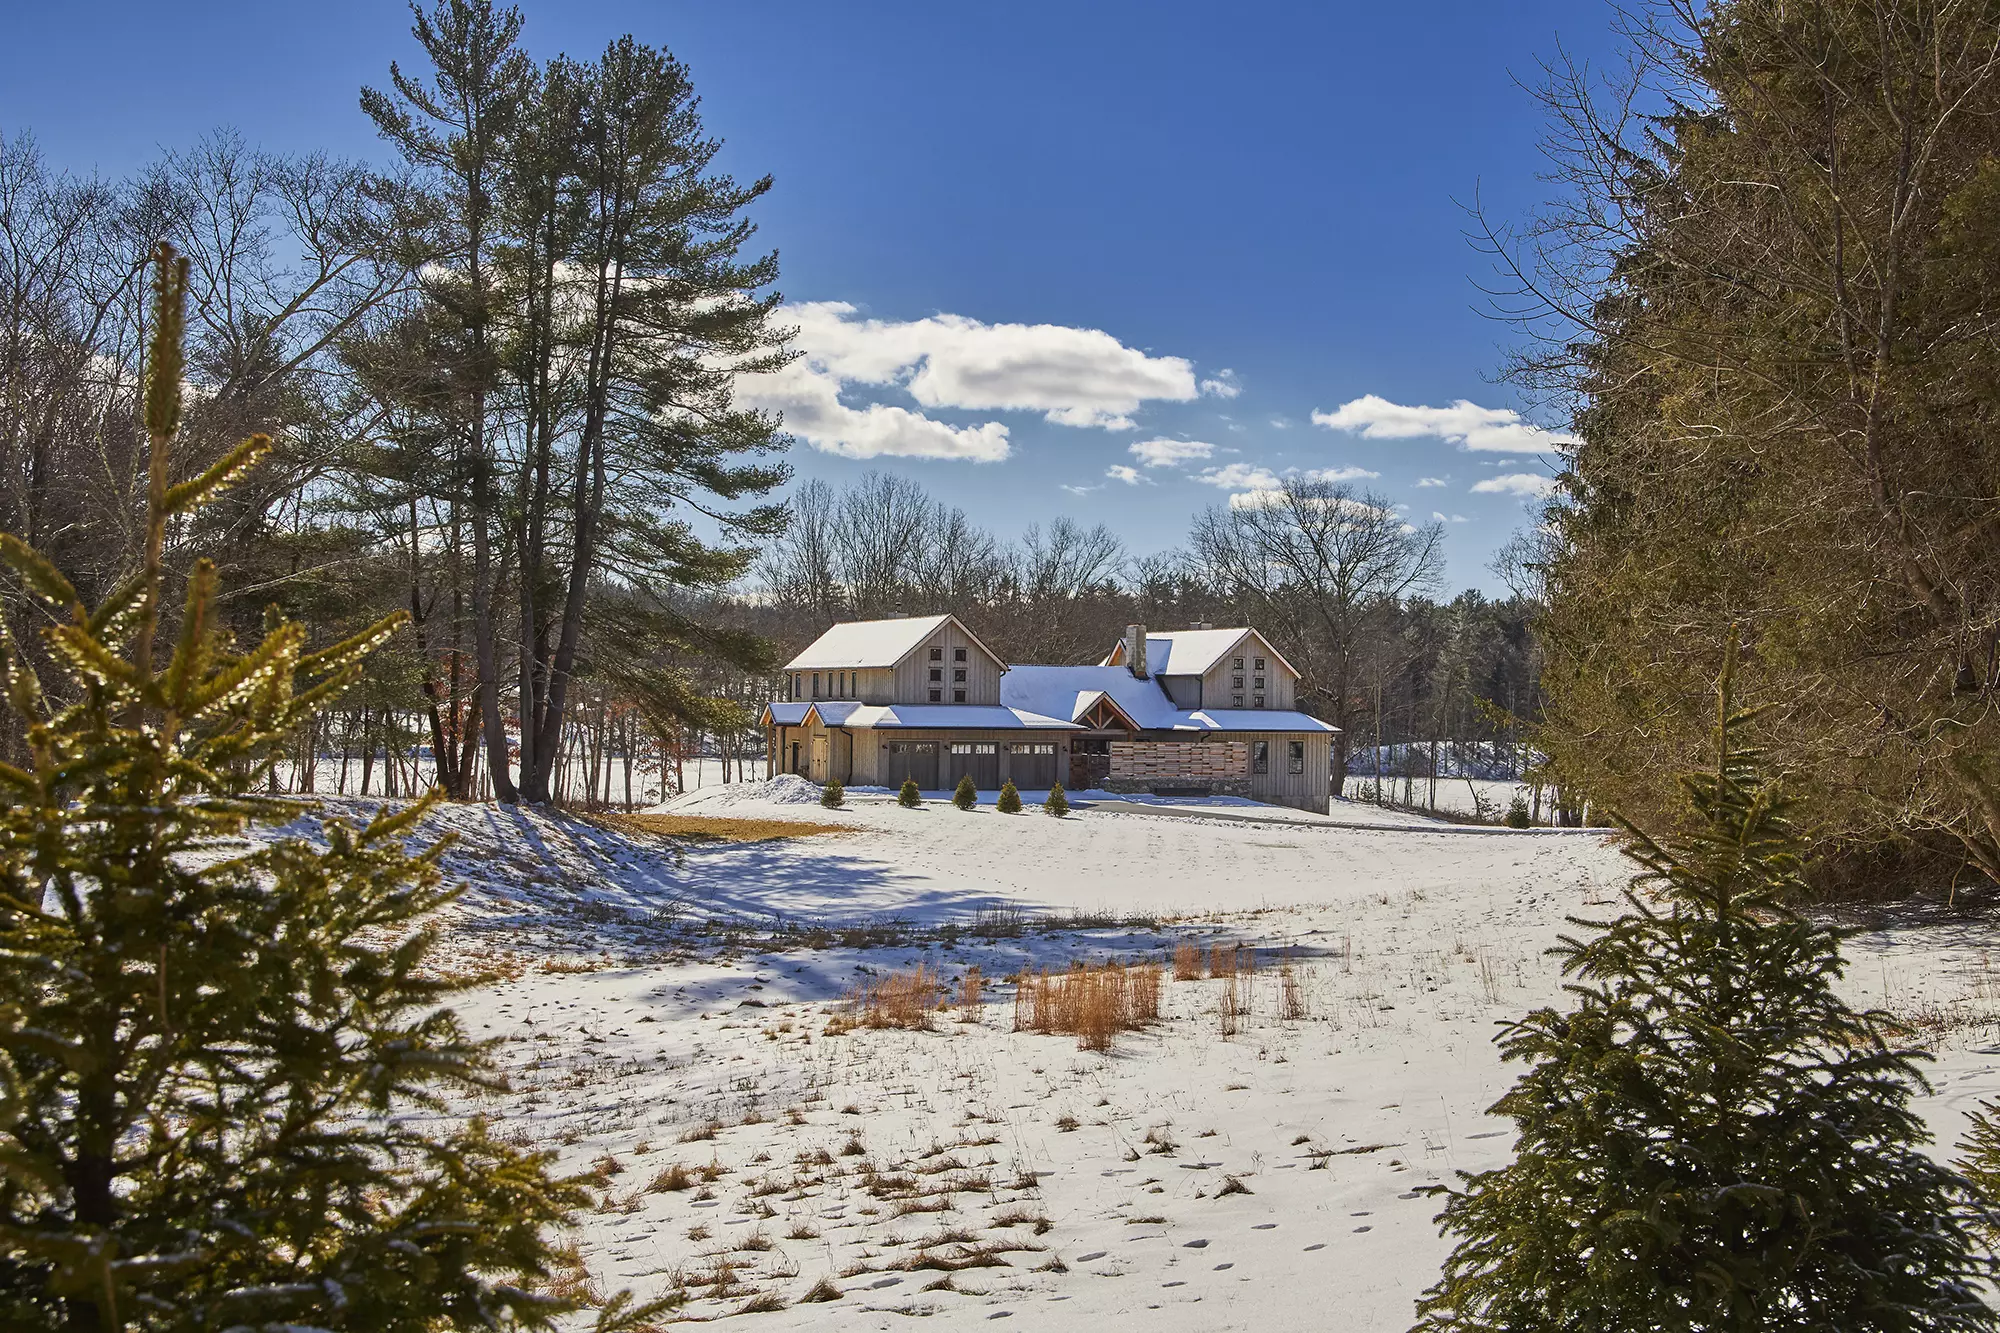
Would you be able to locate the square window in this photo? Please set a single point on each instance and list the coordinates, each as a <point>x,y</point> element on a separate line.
<point>1260,682</point>
<point>958,675</point>
<point>1295,757</point>
<point>958,696</point>
<point>1259,702</point>
<point>1236,682</point>
<point>937,696</point>
<point>937,673</point>
<point>1235,701</point>
<point>1238,664</point>
<point>1260,664</point>
<point>958,654</point>
<point>937,654</point>
<point>1260,757</point>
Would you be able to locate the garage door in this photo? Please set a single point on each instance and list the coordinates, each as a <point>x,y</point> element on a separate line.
<point>911,759</point>
<point>1032,764</point>
<point>979,758</point>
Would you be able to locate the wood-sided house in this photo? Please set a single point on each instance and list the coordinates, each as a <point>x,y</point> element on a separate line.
<point>1186,712</point>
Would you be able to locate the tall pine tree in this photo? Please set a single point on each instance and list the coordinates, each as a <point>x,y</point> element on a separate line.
<point>206,1044</point>
<point>1711,1139</point>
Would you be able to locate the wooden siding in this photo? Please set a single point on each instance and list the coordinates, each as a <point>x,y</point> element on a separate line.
<point>1185,691</point>
<point>867,752</point>
<point>982,671</point>
<point>1219,687</point>
<point>1310,790</point>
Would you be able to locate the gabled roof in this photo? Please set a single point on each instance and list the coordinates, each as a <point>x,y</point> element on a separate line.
<point>943,717</point>
<point>1071,692</point>
<point>1192,652</point>
<point>858,644</point>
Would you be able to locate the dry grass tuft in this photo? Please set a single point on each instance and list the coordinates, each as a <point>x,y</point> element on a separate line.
<point>822,1290</point>
<point>897,1000</point>
<point>1291,996</point>
<point>1229,1018</point>
<point>1188,962</point>
<point>671,1181</point>
<point>969,987</point>
<point>1093,1004</point>
<point>1222,961</point>
<point>715,828</point>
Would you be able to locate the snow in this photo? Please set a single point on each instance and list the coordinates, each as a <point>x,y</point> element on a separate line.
<point>668,1004</point>
<point>883,717</point>
<point>867,643</point>
<point>1071,691</point>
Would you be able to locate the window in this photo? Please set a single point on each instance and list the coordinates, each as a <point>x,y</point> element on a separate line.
<point>958,654</point>
<point>975,747</point>
<point>958,675</point>
<point>1259,702</point>
<point>937,696</point>
<point>1236,681</point>
<point>1235,701</point>
<point>1295,756</point>
<point>937,674</point>
<point>958,696</point>
<point>1260,756</point>
<point>1238,664</point>
<point>1031,747</point>
<point>841,692</point>
<point>937,654</point>
<point>1260,664</point>
<point>815,684</point>
<point>1260,682</point>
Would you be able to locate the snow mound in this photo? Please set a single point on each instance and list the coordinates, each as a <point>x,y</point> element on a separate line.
<point>785,789</point>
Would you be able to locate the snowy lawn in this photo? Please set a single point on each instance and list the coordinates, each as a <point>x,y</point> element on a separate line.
<point>667,1012</point>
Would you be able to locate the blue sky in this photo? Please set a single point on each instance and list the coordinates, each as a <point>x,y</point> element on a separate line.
<point>1034,234</point>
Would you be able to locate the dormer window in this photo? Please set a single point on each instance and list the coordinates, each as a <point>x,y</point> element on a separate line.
<point>958,654</point>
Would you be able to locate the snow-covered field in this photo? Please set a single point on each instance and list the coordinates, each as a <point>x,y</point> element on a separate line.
<point>664,1014</point>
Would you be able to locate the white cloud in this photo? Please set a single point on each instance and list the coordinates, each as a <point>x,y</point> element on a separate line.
<point>1465,424</point>
<point>1241,476</point>
<point>1448,518</point>
<point>1083,490</point>
<point>1528,485</point>
<point>1253,485</point>
<point>1423,483</point>
<point>1169,453</point>
<point>1072,376</point>
<point>1224,385</point>
<point>1131,476</point>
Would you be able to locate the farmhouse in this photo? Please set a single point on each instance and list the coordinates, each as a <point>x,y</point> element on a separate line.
<point>1200,711</point>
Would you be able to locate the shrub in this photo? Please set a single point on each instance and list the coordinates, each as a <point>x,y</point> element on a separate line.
<point>1057,803</point>
<point>210,1045</point>
<point>966,796</point>
<point>834,796</point>
<point>1517,813</point>
<point>909,797</point>
<point>1710,1138</point>
<point>1010,799</point>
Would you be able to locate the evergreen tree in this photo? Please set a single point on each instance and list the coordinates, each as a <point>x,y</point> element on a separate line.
<point>1010,799</point>
<point>909,797</point>
<point>1711,1139</point>
<point>835,795</point>
<point>204,1047</point>
<point>965,796</point>
<point>1057,803</point>
<point>1518,814</point>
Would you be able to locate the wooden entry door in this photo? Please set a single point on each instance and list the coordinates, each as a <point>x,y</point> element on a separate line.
<point>911,759</point>
<point>979,758</point>
<point>1032,764</point>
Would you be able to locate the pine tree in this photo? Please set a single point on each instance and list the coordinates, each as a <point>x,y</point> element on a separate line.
<point>909,797</point>
<point>205,1045</point>
<point>966,795</point>
<point>1010,799</point>
<point>834,796</point>
<point>1710,1139</point>
<point>1518,814</point>
<point>1057,803</point>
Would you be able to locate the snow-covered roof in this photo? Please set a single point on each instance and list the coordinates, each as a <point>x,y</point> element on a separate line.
<point>867,643</point>
<point>784,714</point>
<point>1191,652</point>
<point>1071,691</point>
<point>942,717</point>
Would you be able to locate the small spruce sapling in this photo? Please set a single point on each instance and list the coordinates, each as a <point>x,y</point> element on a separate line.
<point>1009,802</point>
<point>222,1059</point>
<point>909,797</point>
<point>833,796</point>
<point>966,795</point>
<point>1710,1138</point>
<point>1057,803</point>
<point>1517,813</point>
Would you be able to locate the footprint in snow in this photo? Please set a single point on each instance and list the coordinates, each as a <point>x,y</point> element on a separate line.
<point>1311,1248</point>
<point>1084,1259</point>
<point>1264,1226</point>
<point>1195,1245</point>
<point>1223,1268</point>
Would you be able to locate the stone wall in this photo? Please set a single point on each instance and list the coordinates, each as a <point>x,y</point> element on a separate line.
<point>1146,766</point>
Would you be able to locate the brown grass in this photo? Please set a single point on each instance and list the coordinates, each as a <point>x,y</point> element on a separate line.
<point>969,987</point>
<point>671,1181</point>
<point>717,828</point>
<point>1291,997</point>
<point>1187,962</point>
<point>897,1000</point>
<point>1093,1004</point>
<point>1229,1009</point>
<point>1222,961</point>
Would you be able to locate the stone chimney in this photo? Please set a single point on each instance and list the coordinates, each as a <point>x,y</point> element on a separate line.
<point>1135,650</point>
